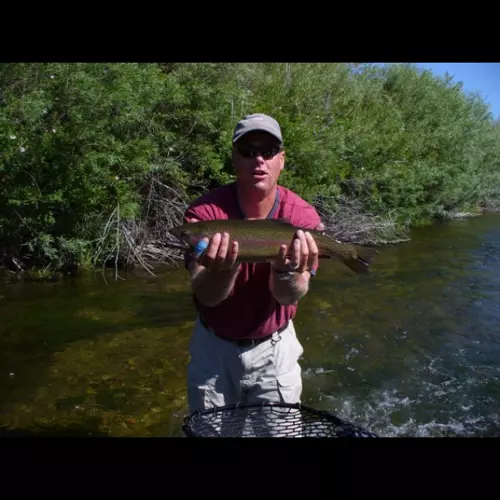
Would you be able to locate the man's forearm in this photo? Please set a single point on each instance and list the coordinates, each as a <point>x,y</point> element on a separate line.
<point>211,288</point>
<point>289,291</point>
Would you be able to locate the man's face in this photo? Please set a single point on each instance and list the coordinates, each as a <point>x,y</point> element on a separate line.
<point>258,161</point>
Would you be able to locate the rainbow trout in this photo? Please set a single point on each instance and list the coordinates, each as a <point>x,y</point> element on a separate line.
<point>259,240</point>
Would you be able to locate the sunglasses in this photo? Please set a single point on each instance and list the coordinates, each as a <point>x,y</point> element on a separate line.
<point>250,152</point>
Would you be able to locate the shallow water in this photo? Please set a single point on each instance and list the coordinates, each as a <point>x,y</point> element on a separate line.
<point>411,350</point>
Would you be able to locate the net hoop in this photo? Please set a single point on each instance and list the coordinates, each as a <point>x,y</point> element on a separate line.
<point>269,420</point>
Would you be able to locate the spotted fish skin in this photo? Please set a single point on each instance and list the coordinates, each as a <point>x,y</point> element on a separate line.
<point>259,240</point>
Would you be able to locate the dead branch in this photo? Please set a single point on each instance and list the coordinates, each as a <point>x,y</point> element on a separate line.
<point>452,215</point>
<point>141,241</point>
<point>490,205</point>
<point>117,240</point>
<point>346,220</point>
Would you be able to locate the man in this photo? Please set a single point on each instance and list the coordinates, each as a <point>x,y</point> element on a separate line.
<point>244,347</point>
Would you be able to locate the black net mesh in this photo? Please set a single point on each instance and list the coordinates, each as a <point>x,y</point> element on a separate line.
<point>269,420</point>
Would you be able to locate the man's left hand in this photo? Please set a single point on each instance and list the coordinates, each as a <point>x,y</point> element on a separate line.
<point>304,254</point>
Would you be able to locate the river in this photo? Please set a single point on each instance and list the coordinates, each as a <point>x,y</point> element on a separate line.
<point>411,350</point>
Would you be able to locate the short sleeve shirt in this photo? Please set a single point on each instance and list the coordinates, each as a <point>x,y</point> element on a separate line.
<point>250,311</point>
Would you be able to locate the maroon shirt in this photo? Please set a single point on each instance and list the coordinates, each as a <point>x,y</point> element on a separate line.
<point>250,311</point>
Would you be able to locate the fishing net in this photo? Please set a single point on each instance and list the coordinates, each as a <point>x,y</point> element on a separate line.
<point>269,420</point>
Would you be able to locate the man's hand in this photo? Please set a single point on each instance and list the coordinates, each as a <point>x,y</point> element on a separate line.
<point>304,254</point>
<point>220,254</point>
<point>214,274</point>
<point>304,257</point>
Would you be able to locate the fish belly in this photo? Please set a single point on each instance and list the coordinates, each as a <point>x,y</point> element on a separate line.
<point>258,250</point>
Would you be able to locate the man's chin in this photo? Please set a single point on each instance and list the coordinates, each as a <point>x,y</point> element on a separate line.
<point>264,182</point>
<point>263,187</point>
<point>258,186</point>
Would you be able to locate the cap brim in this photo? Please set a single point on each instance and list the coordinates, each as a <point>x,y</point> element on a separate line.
<point>238,136</point>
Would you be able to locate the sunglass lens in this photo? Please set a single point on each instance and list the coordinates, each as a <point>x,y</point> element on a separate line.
<point>248,152</point>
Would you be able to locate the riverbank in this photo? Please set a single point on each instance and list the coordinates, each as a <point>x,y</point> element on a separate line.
<point>99,159</point>
<point>412,350</point>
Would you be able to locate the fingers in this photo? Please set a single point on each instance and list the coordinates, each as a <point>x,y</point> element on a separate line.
<point>303,251</point>
<point>281,262</point>
<point>304,255</point>
<point>282,253</point>
<point>221,253</point>
<point>212,250</point>
<point>306,251</point>
<point>320,227</point>
<point>312,261</point>
<point>232,254</point>
<point>297,249</point>
<point>210,259</point>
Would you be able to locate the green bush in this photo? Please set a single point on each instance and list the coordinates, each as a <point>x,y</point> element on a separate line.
<point>77,140</point>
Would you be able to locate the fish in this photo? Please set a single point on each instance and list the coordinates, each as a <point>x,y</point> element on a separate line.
<point>259,240</point>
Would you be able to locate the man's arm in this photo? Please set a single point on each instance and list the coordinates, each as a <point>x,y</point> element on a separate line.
<point>289,287</point>
<point>213,277</point>
<point>212,288</point>
<point>212,282</point>
<point>289,280</point>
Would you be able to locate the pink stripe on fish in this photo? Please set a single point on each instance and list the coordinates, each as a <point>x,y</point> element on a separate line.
<point>259,243</point>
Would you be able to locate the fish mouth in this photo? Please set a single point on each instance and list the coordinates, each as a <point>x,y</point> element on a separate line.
<point>175,231</point>
<point>181,245</point>
<point>178,241</point>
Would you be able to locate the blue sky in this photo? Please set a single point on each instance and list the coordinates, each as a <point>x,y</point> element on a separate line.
<point>481,77</point>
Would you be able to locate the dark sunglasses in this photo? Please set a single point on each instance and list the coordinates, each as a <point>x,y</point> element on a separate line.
<point>250,152</point>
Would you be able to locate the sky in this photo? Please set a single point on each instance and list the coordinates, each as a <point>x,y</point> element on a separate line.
<point>481,77</point>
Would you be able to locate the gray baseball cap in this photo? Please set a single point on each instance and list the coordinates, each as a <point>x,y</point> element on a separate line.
<point>257,121</point>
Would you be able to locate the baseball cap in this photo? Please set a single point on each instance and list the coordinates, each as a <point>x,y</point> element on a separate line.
<point>257,121</point>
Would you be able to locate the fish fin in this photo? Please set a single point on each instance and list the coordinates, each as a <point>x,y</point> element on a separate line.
<point>366,253</point>
<point>176,244</point>
<point>363,256</point>
<point>287,222</point>
<point>282,221</point>
<point>358,265</point>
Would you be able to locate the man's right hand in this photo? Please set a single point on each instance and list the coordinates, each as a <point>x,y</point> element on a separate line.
<point>209,286</point>
<point>220,253</point>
